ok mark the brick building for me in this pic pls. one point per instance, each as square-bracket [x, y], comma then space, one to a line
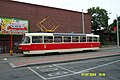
[69, 21]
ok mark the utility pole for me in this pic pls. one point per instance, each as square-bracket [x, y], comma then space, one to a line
[11, 44]
[83, 28]
[117, 32]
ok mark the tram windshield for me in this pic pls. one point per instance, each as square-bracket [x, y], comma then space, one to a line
[26, 40]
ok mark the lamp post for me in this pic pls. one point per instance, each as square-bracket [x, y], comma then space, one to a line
[117, 32]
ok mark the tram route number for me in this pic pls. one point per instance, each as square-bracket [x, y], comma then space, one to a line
[92, 74]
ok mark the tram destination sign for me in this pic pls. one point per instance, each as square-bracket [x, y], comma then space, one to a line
[13, 25]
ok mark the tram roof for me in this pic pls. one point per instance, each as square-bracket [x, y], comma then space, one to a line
[38, 34]
[59, 34]
[74, 34]
[68, 34]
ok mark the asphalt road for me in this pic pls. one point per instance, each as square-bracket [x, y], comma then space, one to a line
[94, 69]
[107, 68]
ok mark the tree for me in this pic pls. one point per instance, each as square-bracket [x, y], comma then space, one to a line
[99, 18]
[114, 24]
[113, 28]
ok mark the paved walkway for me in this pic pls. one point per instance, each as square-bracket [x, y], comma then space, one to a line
[18, 60]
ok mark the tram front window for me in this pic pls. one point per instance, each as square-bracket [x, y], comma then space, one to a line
[26, 40]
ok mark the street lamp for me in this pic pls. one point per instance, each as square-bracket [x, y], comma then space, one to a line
[117, 32]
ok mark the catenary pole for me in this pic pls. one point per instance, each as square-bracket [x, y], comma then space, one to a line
[117, 32]
[83, 28]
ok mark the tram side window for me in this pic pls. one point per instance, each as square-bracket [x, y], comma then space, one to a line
[67, 38]
[82, 39]
[48, 39]
[95, 39]
[89, 39]
[26, 40]
[75, 39]
[57, 39]
[98, 39]
[36, 39]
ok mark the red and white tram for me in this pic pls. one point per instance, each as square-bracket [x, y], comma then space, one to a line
[40, 43]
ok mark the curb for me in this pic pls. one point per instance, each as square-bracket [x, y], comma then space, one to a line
[61, 61]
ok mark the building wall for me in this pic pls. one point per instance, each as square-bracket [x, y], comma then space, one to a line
[69, 21]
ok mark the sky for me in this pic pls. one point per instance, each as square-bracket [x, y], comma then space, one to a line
[111, 6]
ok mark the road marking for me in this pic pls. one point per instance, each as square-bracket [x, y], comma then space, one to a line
[36, 73]
[98, 66]
[61, 76]
[12, 65]
[45, 66]
[71, 63]
[64, 68]
[48, 69]
[85, 70]
[56, 74]
[74, 62]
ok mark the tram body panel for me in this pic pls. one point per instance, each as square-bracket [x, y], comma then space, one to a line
[40, 43]
[59, 47]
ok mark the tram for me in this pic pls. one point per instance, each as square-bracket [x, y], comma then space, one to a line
[41, 43]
